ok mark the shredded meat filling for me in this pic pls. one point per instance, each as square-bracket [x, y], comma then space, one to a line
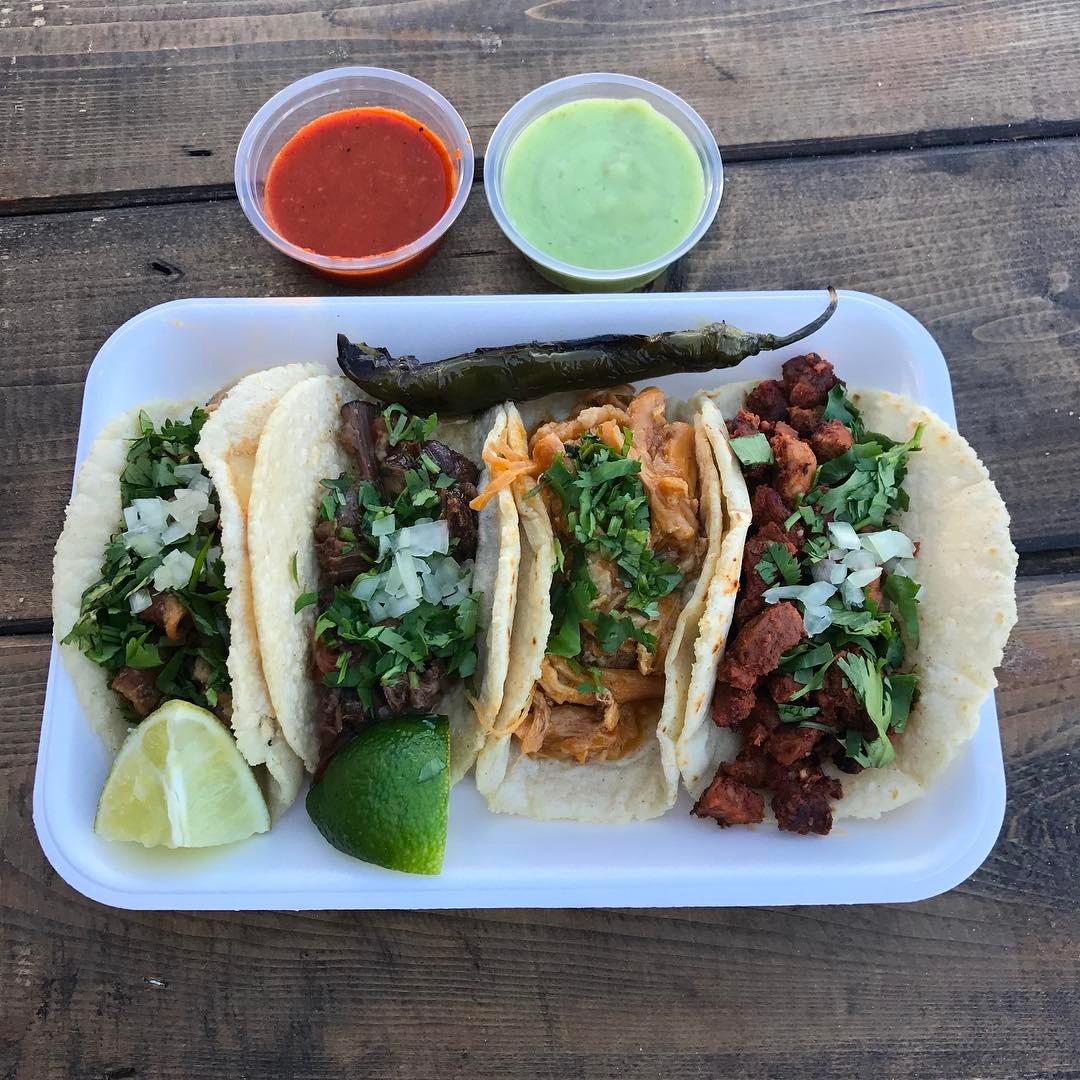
[570, 717]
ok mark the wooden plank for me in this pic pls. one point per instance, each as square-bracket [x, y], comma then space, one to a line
[901, 991]
[129, 96]
[978, 243]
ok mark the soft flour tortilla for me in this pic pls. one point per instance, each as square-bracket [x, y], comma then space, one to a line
[967, 567]
[93, 515]
[699, 741]
[644, 783]
[227, 447]
[299, 448]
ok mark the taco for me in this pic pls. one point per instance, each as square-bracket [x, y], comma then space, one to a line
[378, 590]
[621, 520]
[151, 586]
[846, 652]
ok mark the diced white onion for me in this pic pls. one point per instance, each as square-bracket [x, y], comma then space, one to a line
[151, 512]
[859, 560]
[817, 619]
[808, 595]
[887, 545]
[365, 587]
[843, 535]
[900, 567]
[861, 578]
[851, 594]
[188, 472]
[131, 517]
[139, 601]
[383, 526]
[174, 571]
[175, 532]
[143, 542]
[430, 538]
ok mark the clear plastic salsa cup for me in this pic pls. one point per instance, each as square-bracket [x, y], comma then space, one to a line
[602, 85]
[327, 92]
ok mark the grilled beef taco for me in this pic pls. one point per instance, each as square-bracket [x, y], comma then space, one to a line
[151, 584]
[845, 654]
[621, 520]
[378, 590]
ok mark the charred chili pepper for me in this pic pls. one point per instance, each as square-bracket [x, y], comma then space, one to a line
[473, 381]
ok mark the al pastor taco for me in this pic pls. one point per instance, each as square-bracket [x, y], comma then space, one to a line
[851, 645]
[621, 521]
[378, 590]
[151, 586]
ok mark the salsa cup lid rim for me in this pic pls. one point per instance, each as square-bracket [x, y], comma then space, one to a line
[251, 203]
[501, 136]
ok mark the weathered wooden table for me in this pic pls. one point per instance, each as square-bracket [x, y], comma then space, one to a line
[924, 151]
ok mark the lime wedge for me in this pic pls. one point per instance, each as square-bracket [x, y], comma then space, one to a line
[385, 795]
[179, 781]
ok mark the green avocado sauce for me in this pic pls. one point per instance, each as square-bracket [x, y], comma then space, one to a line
[603, 183]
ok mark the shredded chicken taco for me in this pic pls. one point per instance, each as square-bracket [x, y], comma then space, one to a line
[855, 631]
[620, 512]
[378, 590]
[151, 584]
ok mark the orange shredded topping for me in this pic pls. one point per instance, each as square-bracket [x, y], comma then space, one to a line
[506, 466]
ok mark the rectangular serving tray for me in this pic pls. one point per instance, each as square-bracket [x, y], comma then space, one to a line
[190, 348]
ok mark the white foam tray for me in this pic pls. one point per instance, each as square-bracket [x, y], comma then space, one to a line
[191, 347]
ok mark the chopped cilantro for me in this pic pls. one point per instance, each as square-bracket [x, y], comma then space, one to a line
[790, 713]
[778, 558]
[304, 600]
[903, 592]
[752, 449]
[606, 511]
[402, 426]
[107, 631]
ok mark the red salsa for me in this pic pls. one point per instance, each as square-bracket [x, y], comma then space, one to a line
[359, 182]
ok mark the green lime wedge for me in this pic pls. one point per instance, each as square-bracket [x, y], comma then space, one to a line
[384, 797]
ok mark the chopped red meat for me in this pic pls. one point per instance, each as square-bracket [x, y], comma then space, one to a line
[808, 380]
[730, 707]
[806, 809]
[760, 643]
[750, 767]
[804, 421]
[767, 507]
[831, 440]
[795, 462]
[745, 423]
[783, 687]
[789, 742]
[768, 400]
[762, 721]
[728, 802]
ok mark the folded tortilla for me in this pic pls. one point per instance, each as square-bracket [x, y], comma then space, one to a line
[644, 783]
[966, 564]
[227, 448]
[298, 449]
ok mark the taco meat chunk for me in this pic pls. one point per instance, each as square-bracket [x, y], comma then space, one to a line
[729, 802]
[139, 689]
[796, 697]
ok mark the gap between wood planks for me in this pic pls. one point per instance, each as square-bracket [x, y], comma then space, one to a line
[743, 153]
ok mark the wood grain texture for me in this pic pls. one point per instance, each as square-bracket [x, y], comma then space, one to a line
[982, 982]
[130, 95]
[978, 243]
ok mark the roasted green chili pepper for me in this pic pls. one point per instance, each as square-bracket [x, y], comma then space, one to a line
[473, 381]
